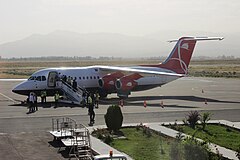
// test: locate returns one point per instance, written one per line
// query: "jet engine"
(125, 84)
(108, 82)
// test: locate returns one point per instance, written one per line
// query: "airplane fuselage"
(87, 78)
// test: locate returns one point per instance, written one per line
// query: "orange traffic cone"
(145, 103)
(161, 104)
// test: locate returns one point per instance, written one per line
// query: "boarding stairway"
(70, 94)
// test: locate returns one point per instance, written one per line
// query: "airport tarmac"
(178, 97)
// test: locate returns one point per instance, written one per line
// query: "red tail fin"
(180, 56)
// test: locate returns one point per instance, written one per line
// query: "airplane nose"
(20, 89)
(16, 89)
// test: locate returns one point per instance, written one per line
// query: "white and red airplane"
(120, 80)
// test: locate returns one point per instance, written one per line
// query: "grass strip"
(142, 147)
(224, 136)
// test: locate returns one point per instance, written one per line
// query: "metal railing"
(63, 125)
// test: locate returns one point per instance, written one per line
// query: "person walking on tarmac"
(56, 98)
(91, 110)
(31, 102)
(35, 102)
(97, 99)
(43, 96)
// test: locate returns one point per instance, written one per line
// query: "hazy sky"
(21, 18)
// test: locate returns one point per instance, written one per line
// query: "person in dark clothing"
(74, 85)
(64, 78)
(93, 98)
(56, 98)
(43, 96)
(91, 110)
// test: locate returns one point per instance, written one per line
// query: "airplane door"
(52, 77)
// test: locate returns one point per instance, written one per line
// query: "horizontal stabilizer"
(199, 39)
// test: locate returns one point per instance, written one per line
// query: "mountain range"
(67, 43)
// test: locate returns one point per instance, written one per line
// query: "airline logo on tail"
(185, 46)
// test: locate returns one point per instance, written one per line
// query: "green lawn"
(229, 138)
(141, 147)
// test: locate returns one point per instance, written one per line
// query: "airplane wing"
(140, 71)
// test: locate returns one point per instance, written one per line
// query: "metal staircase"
(75, 138)
(70, 95)
(81, 148)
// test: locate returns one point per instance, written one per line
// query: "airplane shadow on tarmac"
(138, 101)
(47, 105)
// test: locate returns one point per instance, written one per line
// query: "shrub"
(147, 131)
(99, 135)
(108, 139)
(138, 127)
(114, 118)
(179, 136)
(205, 117)
(192, 118)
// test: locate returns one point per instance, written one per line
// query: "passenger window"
(43, 78)
(97, 77)
(87, 77)
(83, 77)
(38, 78)
(94, 77)
(79, 77)
(91, 77)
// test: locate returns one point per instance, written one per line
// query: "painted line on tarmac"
(8, 97)
(6, 80)
(43, 116)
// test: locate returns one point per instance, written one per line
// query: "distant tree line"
(65, 58)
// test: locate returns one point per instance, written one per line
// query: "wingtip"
(221, 38)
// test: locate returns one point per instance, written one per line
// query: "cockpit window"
(31, 78)
(43, 78)
(38, 78)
